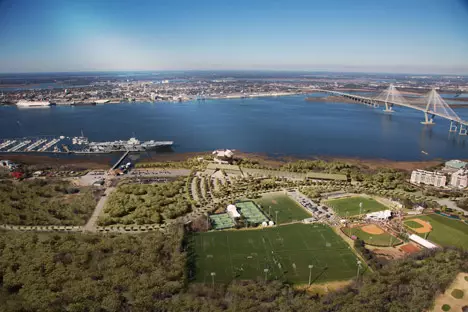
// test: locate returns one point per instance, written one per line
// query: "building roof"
(455, 163)
(380, 214)
(421, 241)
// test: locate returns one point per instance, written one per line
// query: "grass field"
(286, 251)
(446, 232)
(384, 239)
(288, 209)
(413, 224)
(351, 205)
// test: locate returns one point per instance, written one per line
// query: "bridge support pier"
(463, 130)
(427, 120)
(453, 126)
(388, 108)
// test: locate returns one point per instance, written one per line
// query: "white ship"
(25, 103)
(132, 145)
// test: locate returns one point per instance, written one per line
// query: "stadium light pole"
(358, 269)
(310, 273)
(269, 211)
(276, 217)
(213, 274)
(266, 274)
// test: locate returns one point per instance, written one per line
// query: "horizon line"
(233, 70)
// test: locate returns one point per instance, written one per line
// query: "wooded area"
(145, 272)
(45, 202)
(145, 204)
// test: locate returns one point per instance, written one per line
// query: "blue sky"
(412, 36)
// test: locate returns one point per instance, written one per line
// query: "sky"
(392, 36)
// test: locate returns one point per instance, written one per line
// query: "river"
(272, 125)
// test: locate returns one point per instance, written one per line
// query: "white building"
(223, 156)
(232, 211)
(421, 241)
(428, 177)
(459, 179)
(379, 215)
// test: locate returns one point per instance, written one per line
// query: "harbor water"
(276, 126)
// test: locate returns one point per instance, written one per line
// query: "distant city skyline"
(414, 37)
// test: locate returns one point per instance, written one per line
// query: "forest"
(45, 202)
(146, 272)
(145, 204)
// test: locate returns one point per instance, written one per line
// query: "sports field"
(221, 221)
(445, 231)
(350, 205)
(372, 235)
(251, 212)
(288, 209)
(286, 251)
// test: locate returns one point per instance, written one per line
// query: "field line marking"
(229, 251)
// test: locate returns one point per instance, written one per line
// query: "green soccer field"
(351, 206)
(446, 231)
(286, 251)
(384, 239)
(288, 209)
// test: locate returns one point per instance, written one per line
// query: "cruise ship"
(25, 103)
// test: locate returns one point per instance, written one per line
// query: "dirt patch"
(426, 227)
(274, 202)
(447, 298)
(388, 253)
(410, 248)
(372, 229)
(323, 288)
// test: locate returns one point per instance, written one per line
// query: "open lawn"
(286, 251)
(351, 205)
(446, 231)
(384, 239)
(288, 209)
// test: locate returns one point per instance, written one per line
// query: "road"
(92, 222)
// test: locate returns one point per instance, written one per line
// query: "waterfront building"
(428, 177)
(459, 179)
(223, 156)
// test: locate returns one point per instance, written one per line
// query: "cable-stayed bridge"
(432, 104)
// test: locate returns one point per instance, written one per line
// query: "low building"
(223, 156)
(379, 215)
(455, 164)
(459, 179)
(421, 241)
(428, 177)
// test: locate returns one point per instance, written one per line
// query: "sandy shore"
(274, 161)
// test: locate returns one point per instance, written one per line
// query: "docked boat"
(25, 103)
(132, 145)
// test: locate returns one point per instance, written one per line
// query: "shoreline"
(104, 161)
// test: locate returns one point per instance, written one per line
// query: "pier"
(117, 164)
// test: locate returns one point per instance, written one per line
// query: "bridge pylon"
(453, 126)
(428, 120)
(463, 130)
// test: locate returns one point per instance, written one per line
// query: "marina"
(76, 145)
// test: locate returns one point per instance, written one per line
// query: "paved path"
(92, 222)
(451, 204)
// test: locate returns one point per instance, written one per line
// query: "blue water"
(273, 125)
